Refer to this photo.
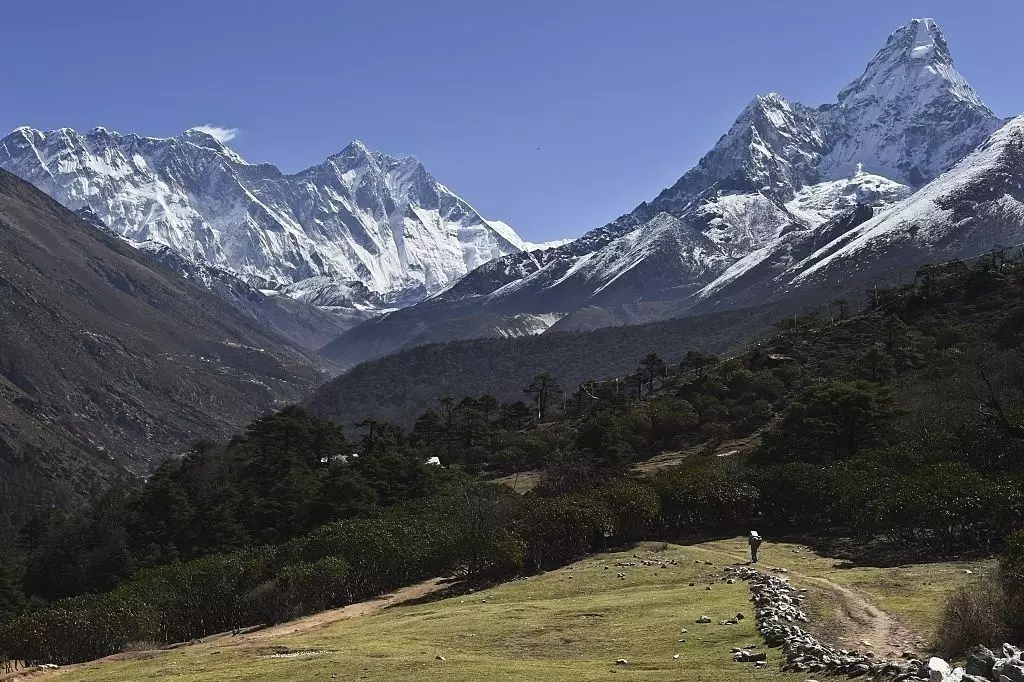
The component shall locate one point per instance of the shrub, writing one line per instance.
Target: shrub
(1011, 575)
(561, 529)
(973, 615)
(634, 508)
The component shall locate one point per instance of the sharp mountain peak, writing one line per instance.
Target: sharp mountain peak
(358, 215)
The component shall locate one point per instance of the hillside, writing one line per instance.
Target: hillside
(108, 362)
(574, 622)
(884, 437)
(398, 387)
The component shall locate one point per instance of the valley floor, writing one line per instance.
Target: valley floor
(572, 623)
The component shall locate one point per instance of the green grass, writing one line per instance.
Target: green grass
(914, 594)
(521, 482)
(917, 593)
(569, 624)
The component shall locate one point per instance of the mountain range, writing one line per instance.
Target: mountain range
(793, 203)
(166, 289)
(366, 254)
(379, 232)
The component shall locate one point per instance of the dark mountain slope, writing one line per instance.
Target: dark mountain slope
(303, 325)
(399, 387)
(107, 362)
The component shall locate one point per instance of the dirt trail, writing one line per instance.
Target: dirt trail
(366, 608)
(318, 620)
(864, 625)
(859, 623)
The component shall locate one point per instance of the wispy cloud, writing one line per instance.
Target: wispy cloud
(217, 132)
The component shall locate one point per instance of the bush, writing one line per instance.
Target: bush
(562, 529)
(973, 615)
(314, 586)
(634, 508)
(699, 499)
(1011, 575)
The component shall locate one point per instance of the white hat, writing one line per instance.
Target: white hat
(754, 534)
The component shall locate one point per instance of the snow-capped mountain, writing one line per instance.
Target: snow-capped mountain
(909, 116)
(782, 183)
(973, 208)
(360, 216)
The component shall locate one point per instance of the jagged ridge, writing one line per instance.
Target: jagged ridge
(783, 176)
(361, 215)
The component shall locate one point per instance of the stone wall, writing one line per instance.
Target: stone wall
(778, 607)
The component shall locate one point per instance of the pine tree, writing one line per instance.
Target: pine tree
(654, 366)
(542, 389)
(12, 600)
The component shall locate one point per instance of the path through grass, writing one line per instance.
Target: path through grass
(569, 624)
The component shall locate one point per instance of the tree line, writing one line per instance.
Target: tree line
(901, 427)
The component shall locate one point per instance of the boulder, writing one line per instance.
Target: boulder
(859, 669)
(749, 656)
(1009, 666)
(938, 669)
(980, 662)
(1011, 669)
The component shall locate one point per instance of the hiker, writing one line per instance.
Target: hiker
(755, 542)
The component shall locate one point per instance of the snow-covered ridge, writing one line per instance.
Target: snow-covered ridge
(526, 324)
(782, 167)
(360, 216)
(973, 208)
(546, 246)
(815, 204)
(932, 214)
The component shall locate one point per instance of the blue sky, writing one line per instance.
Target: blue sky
(554, 115)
